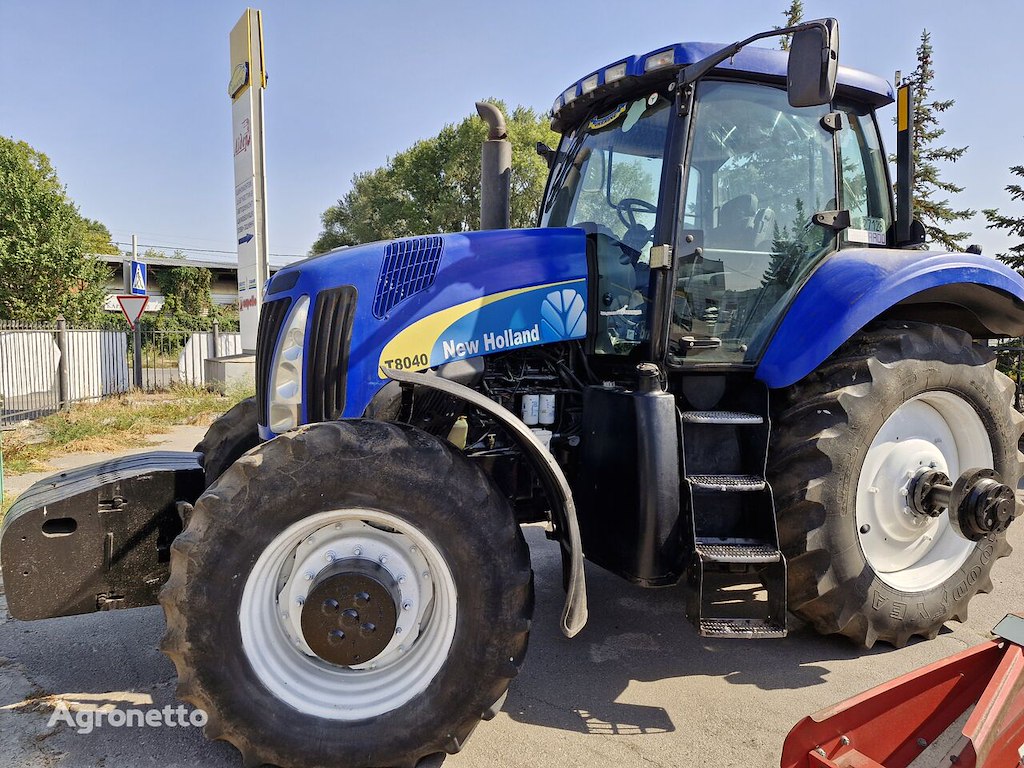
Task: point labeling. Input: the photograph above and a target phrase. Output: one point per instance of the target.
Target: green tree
(1014, 225)
(188, 305)
(97, 238)
(936, 214)
(794, 15)
(434, 186)
(45, 265)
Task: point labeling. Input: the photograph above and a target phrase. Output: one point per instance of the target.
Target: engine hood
(424, 301)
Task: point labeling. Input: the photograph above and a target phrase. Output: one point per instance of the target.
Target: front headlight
(286, 375)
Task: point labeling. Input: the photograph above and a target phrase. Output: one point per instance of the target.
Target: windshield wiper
(567, 162)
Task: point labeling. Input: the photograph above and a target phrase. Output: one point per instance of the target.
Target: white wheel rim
(279, 581)
(915, 553)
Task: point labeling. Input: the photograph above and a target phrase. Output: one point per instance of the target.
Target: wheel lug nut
(331, 556)
(382, 559)
(300, 600)
(368, 627)
(350, 615)
(330, 605)
(407, 605)
(361, 598)
(401, 579)
(309, 575)
(357, 551)
(398, 630)
(335, 636)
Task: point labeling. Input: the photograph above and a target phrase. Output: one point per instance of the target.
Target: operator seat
(743, 226)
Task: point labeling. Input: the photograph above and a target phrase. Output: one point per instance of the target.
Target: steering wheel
(628, 207)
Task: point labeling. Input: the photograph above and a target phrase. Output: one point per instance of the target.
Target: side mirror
(813, 63)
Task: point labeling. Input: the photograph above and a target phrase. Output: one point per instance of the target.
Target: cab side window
(864, 191)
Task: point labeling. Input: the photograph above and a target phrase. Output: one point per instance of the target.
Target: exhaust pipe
(495, 169)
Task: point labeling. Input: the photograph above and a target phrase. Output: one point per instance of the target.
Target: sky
(129, 99)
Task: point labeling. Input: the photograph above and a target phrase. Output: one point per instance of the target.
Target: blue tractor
(721, 361)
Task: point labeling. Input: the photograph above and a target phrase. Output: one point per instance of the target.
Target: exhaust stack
(495, 169)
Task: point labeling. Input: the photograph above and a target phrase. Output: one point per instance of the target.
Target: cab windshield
(607, 181)
(759, 170)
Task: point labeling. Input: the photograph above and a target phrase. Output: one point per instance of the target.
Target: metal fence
(44, 368)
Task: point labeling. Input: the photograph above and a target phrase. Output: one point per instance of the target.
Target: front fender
(574, 613)
(858, 285)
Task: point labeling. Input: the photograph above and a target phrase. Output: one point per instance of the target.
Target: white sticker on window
(865, 236)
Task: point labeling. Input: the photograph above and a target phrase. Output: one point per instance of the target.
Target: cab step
(721, 417)
(744, 628)
(727, 483)
(726, 551)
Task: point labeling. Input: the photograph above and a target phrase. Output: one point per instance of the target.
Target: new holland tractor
(721, 361)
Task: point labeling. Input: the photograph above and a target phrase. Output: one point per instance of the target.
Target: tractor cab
(747, 192)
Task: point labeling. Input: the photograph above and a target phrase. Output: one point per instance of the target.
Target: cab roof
(760, 63)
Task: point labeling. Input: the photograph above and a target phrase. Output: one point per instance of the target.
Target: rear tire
(847, 440)
(231, 435)
(258, 526)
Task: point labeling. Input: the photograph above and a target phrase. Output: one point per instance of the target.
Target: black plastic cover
(628, 485)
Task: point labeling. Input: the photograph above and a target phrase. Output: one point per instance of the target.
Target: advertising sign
(245, 87)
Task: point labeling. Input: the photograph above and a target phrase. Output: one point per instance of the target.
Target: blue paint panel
(855, 286)
(473, 265)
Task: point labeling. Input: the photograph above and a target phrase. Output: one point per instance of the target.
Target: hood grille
(409, 267)
(330, 336)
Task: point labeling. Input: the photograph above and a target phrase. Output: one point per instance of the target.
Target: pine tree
(794, 15)
(935, 214)
(1014, 225)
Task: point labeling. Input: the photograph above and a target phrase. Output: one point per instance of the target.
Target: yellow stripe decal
(416, 341)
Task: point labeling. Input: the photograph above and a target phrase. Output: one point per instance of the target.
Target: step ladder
(737, 573)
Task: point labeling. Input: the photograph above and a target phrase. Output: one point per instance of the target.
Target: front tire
(231, 435)
(384, 503)
(850, 436)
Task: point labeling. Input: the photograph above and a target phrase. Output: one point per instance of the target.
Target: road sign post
(134, 288)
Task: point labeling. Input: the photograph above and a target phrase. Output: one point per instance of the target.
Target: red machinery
(891, 726)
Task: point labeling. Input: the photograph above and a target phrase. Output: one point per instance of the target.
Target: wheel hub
(350, 614)
(382, 568)
(910, 543)
(978, 504)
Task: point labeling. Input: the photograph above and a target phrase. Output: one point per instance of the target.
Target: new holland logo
(564, 312)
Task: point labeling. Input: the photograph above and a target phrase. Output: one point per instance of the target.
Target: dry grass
(5, 504)
(111, 425)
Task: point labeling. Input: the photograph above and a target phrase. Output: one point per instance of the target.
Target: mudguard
(858, 285)
(574, 613)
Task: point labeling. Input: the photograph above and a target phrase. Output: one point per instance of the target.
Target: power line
(203, 250)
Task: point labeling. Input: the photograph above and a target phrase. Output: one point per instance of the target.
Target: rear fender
(567, 529)
(976, 293)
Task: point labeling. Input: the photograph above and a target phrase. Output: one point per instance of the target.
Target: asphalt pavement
(637, 687)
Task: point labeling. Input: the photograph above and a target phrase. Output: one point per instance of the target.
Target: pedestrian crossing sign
(138, 278)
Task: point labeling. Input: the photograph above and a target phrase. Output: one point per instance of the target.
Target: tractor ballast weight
(719, 361)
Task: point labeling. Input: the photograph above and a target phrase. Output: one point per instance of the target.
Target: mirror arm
(697, 70)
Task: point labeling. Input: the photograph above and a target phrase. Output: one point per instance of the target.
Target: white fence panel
(97, 364)
(30, 360)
